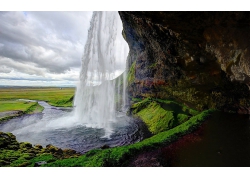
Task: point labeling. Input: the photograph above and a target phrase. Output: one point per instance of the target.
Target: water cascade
(98, 118)
(105, 53)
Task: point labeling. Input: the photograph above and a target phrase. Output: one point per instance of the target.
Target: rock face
(199, 58)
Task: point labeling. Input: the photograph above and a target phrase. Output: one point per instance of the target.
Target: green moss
(182, 118)
(156, 118)
(35, 108)
(16, 154)
(43, 157)
(25, 145)
(131, 74)
(154, 65)
(161, 115)
(62, 102)
(140, 105)
(135, 100)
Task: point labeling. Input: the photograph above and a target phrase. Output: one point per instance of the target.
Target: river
(58, 127)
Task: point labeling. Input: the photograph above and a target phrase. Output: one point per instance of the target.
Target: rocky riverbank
(14, 153)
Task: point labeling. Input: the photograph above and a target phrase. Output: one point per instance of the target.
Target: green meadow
(15, 105)
(12, 99)
(54, 96)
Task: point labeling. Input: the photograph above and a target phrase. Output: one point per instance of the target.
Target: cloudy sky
(42, 48)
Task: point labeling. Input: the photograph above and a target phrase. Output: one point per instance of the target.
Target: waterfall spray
(104, 51)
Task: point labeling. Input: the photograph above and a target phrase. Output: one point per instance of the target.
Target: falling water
(82, 128)
(105, 52)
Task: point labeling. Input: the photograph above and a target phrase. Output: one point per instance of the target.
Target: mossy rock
(15, 154)
(38, 146)
(26, 145)
(161, 115)
(8, 140)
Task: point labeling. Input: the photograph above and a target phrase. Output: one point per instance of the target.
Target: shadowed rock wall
(199, 58)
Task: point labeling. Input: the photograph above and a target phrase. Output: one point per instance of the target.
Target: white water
(54, 126)
(105, 52)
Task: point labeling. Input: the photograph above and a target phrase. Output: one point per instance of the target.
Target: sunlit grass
(15, 105)
(54, 96)
(161, 115)
(20, 107)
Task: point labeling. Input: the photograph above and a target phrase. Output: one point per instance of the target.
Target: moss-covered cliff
(199, 58)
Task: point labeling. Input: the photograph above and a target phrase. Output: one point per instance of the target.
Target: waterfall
(124, 94)
(105, 53)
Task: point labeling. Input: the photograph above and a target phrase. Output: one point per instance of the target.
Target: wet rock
(67, 153)
(26, 145)
(105, 146)
(51, 148)
(38, 146)
(202, 59)
(58, 153)
(11, 150)
(37, 164)
(8, 141)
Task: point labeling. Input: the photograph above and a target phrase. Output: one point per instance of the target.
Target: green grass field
(54, 96)
(15, 105)
(16, 108)
(10, 99)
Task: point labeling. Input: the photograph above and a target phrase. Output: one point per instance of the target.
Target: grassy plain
(54, 96)
(11, 99)
(10, 109)
(15, 105)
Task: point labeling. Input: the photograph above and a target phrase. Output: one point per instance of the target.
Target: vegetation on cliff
(161, 115)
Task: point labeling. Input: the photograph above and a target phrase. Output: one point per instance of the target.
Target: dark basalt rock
(199, 58)
(105, 146)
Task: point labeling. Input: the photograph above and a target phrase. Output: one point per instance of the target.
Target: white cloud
(44, 47)
(42, 44)
(4, 69)
(21, 67)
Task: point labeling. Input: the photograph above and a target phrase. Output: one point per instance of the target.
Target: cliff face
(199, 58)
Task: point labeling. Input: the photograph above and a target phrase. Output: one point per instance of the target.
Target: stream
(58, 127)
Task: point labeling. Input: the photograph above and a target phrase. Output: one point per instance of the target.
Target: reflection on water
(57, 126)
